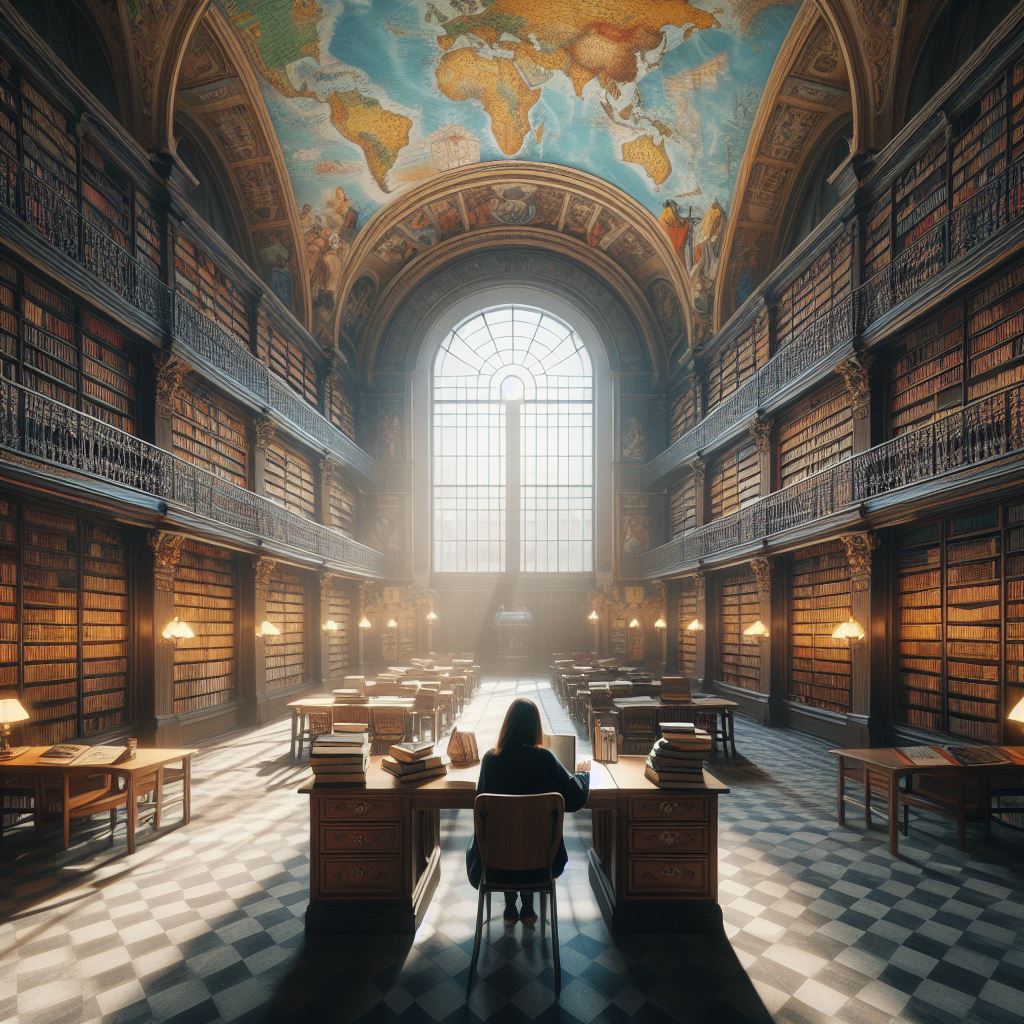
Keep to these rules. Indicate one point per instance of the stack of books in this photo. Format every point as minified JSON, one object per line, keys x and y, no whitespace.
{"x":342,"y":756}
{"x":676,"y":761}
{"x":350,"y":697}
{"x":414,"y":762}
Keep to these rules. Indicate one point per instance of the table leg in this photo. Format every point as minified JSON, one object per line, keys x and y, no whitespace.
{"x":133,"y":813}
{"x":295,"y":718}
{"x":66,"y":807}
{"x":731,"y":719}
{"x":302,"y":730}
{"x":894,"y":813}
{"x":159,"y":798}
{"x":986,"y":804}
{"x":961,"y":814}
{"x":38,"y":805}
{"x":840,"y":795}
{"x":867,"y":798}
{"x":186,"y":790}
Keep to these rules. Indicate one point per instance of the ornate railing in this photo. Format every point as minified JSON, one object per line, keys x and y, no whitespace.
{"x":986,"y":430}
{"x":36,"y":427}
{"x":63,"y":226}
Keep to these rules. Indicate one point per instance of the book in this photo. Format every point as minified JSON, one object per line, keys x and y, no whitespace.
{"x":922,"y":755}
{"x":563,"y":746}
{"x":340,"y":753}
{"x":64,"y":753}
{"x":101,"y":755}
{"x":411,"y":767}
{"x":462,"y":748}
{"x":411,"y":751}
{"x":343,"y":739}
{"x":970,"y":756}
{"x":357,"y":777}
{"x":607,"y":751}
{"x":670,"y":783}
{"x":359,"y":757}
{"x":429,"y":773}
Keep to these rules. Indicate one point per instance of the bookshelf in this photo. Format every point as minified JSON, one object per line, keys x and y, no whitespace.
{"x":148,"y":235}
{"x":49,"y":346}
{"x":339,"y":642}
{"x":9,"y":329}
{"x":739,"y":606}
{"x":49,"y":148}
{"x":732,"y":366}
{"x":8,"y":134}
{"x":685,"y":411}
{"x":287,"y":658}
{"x":9,"y":631}
{"x":819,"y":667}
{"x":210,"y":432}
{"x":290,"y":361}
{"x":920,"y":196}
{"x":686,"y":640}
{"x":995,"y":334}
{"x":979,"y":147}
{"x":684,"y":505}
{"x":290,"y":480}
{"x":200,"y":282}
{"x":342,"y":502}
{"x":108,"y":382}
{"x":878,"y":236}
{"x":735,"y":481}
{"x":340,"y":406}
{"x":106,"y":196}
{"x":826,"y":280}
{"x":815,"y":434}
{"x":927,"y":371}
{"x":206,"y":597}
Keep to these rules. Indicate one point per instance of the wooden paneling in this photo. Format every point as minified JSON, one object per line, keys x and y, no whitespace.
{"x":819,"y":667}
{"x":815,"y":434}
{"x":206,"y":597}
{"x":735,"y":481}
{"x":210,"y":432}
{"x":290,"y":479}
{"x":287,"y":655}
{"x":739,"y":606}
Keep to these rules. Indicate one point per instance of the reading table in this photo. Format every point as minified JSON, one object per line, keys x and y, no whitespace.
{"x":375,"y":851}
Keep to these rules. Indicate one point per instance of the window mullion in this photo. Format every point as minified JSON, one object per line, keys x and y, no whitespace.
{"x":513,"y":501}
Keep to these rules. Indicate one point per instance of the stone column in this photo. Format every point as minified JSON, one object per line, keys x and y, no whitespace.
{"x":263,"y":573}
{"x":856,"y":374}
{"x":761,"y":432}
{"x":864,"y":722}
{"x":161,"y":720}
{"x":698,"y":466}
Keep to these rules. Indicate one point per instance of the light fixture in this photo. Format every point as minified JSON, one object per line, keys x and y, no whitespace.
{"x":634,"y":623}
{"x":756,"y":628}
{"x":10,"y":711}
{"x":177,"y":630}
{"x":850,"y":630}
{"x":365,"y":623}
{"x":593,"y":616}
{"x":1015,"y":715}
{"x":392,"y":624}
{"x":695,"y":626}
{"x":432,"y":616}
{"x":660,"y":623}
{"x":330,"y":626}
{"x":267,"y":628}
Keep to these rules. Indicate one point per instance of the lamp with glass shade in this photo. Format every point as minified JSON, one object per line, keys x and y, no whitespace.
{"x":850,"y":630}
{"x":11,"y":712}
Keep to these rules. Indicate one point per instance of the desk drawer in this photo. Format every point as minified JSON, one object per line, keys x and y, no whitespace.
{"x":663,"y":876}
{"x":667,"y":838}
{"x":357,"y":876}
{"x":357,"y":838}
{"x":666,"y":806}
{"x":358,"y":808}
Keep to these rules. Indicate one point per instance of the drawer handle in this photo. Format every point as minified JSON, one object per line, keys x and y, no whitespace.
{"x":668,"y":838}
{"x":361,"y":808}
{"x":667,"y":807}
{"x":668,"y":872}
{"x":361,"y":873}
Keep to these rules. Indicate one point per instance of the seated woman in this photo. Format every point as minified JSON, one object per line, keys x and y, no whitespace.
{"x":517,"y":765}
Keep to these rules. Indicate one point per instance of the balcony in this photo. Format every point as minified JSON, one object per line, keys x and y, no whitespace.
{"x":963,"y":231}
{"x":31,"y":202}
{"x":977,"y":435}
{"x":63,"y":441}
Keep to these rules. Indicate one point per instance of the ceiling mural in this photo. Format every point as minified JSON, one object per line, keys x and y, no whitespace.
{"x":656,"y":97}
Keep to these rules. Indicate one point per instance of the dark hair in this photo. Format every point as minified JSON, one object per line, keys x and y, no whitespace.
{"x":521,"y":726}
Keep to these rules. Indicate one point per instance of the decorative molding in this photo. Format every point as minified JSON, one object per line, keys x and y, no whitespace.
{"x":699,"y":469}
{"x":326,"y":583}
{"x":761,"y":432}
{"x":858,"y":548}
{"x":264,"y":569}
{"x":170,"y":377}
{"x":166,"y":548}
{"x":328,"y":467}
{"x":856,"y":374}
{"x":265,"y":432}
{"x":762,"y":570}
{"x":700,"y":584}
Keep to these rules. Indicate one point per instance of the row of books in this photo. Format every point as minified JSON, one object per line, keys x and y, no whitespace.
{"x":343,"y":757}
{"x":676,"y":761}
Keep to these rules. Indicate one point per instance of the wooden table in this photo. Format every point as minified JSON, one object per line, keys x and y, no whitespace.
{"x":721,"y":707}
{"x":143,"y":773}
{"x":300,"y":710}
{"x":375,"y":850}
{"x":892,"y":766}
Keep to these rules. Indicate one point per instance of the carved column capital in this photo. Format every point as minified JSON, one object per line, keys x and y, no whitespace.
{"x":266,"y":431}
{"x":328,"y":469}
{"x":264,"y":571}
{"x":858,"y":548}
{"x":762,"y":570}
{"x":699,"y":467}
{"x":856,"y":374}
{"x":166,"y":548}
{"x":700,"y":584}
{"x":170,"y":377}
{"x":761,"y":432}
{"x":326,"y":582}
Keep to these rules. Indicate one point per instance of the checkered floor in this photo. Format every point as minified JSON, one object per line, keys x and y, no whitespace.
{"x":206,"y":923}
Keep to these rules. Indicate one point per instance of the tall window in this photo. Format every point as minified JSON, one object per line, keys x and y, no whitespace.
{"x":513,"y":460}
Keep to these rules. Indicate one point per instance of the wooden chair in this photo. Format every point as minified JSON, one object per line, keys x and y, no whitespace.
{"x":638,"y":729}
{"x":425,"y":712}
{"x":387,"y":726}
{"x":446,"y":705}
{"x":351,"y":713}
{"x":518,"y":839}
{"x":600,"y":708}
{"x":571,"y":683}
{"x":459,"y":685}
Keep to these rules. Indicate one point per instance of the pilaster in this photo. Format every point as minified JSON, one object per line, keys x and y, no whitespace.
{"x":864,"y":723}
{"x":163,"y":724}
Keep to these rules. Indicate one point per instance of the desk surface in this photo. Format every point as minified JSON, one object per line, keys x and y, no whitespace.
{"x":889,"y":760}
{"x":145,"y":759}
{"x":696,"y":703}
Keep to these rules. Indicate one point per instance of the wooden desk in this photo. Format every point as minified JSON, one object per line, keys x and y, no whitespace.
{"x":721,"y":707}
{"x":143,"y":773}
{"x":300,"y":710}
{"x":885,"y":761}
{"x":375,"y":851}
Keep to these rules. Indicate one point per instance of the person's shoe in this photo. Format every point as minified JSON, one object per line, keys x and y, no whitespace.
{"x":528,"y":916}
{"x":511,"y":915}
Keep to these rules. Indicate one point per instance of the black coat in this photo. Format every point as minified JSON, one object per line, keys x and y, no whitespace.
{"x":519,"y":770}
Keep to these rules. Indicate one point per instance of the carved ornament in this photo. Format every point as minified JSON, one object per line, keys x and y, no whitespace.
{"x":761,"y":432}
{"x":266,"y":431}
{"x":699,"y":467}
{"x":170,"y":376}
{"x":700,"y":584}
{"x":858,"y":548}
{"x":762,"y":570}
{"x":856,"y":374}
{"x":264,"y":569}
{"x":166,"y":548}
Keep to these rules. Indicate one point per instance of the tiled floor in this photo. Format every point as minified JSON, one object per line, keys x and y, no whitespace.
{"x":206,"y":923}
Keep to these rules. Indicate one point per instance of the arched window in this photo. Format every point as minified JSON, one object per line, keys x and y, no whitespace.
{"x":513,"y":459}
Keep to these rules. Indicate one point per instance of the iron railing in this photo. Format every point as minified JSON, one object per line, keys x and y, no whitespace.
{"x":33,"y":202}
{"x":35,"y":427}
{"x":983,"y":431}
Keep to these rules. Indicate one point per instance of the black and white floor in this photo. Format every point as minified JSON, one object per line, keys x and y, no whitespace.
{"x":206,"y":923}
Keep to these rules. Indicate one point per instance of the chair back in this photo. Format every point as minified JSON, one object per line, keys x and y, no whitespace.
{"x":518,"y":833}
{"x":676,"y":688}
{"x":351,"y":713}
{"x":426,"y":700}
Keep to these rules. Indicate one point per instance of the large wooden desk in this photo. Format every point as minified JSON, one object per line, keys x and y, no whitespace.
{"x":888,"y":763}
{"x":144,"y":773}
{"x":375,"y":852}
{"x":677,"y":710}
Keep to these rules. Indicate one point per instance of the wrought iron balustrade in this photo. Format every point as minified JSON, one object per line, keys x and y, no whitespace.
{"x":36,"y":427}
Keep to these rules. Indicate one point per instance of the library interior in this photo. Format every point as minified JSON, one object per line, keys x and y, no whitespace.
{"x":512,"y":511}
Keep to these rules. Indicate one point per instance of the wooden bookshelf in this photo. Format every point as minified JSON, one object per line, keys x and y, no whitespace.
{"x":206,"y":597}
{"x":878,"y":236}
{"x":287,"y":657}
{"x":10,"y":633}
{"x":739,"y":606}
{"x":1017,"y":112}
{"x":815,"y":434}
{"x":731,"y":367}
{"x":819,"y":667}
{"x":980,"y":146}
{"x":995,"y":334}
{"x":290,"y":479}
{"x":684,"y":505}
{"x":342,"y":501}
{"x":825,"y":281}
{"x":735,"y":481}
{"x":927,"y":371}
{"x":339,"y":642}
{"x":920,"y":196}
{"x":685,"y":410}
{"x":290,"y":361}
{"x":106,"y":196}
{"x":340,"y":406}
{"x":9,"y":320}
{"x":686,"y":640}
{"x":202,"y":283}
{"x":49,"y":343}
{"x":8,"y":134}
{"x":210,"y":432}
{"x":49,"y":147}
{"x":108,"y":384}
{"x":148,"y":235}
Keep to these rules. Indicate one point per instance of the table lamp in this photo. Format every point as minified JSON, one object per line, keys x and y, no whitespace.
{"x":1015,"y":715}
{"x":10,"y":711}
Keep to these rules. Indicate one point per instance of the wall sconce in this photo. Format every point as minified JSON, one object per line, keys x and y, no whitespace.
{"x":392,"y":624}
{"x":432,"y":617}
{"x":594,"y":617}
{"x":850,"y":630}
{"x":176,"y":630}
{"x":756,"y":628}
{"x":365,"y":623}
{"x":695,"y":626}
{"x":330,"y":626}
{"x":634,"y":623}
{"x":267,"y":628}
{"x":1017,"y":712}
{"x":660,"y":623}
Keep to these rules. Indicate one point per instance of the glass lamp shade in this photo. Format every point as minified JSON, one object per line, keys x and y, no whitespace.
{"x":330,"y":626}
{"x":365,"y":623}
{"x":593,"y":616}
{"x":392,"y":624}
{"x":1016,"y":714}
{"x":177,"y":630}
{"x":432,"y":617}
{"x":851,"y":629}
{"x":634,"y":623}
{"x":660,"y":623}
{"x":695,"y":626}
{"x":267,"y":628}
{"x":756,"y":628}
{"x":12,"y":711}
